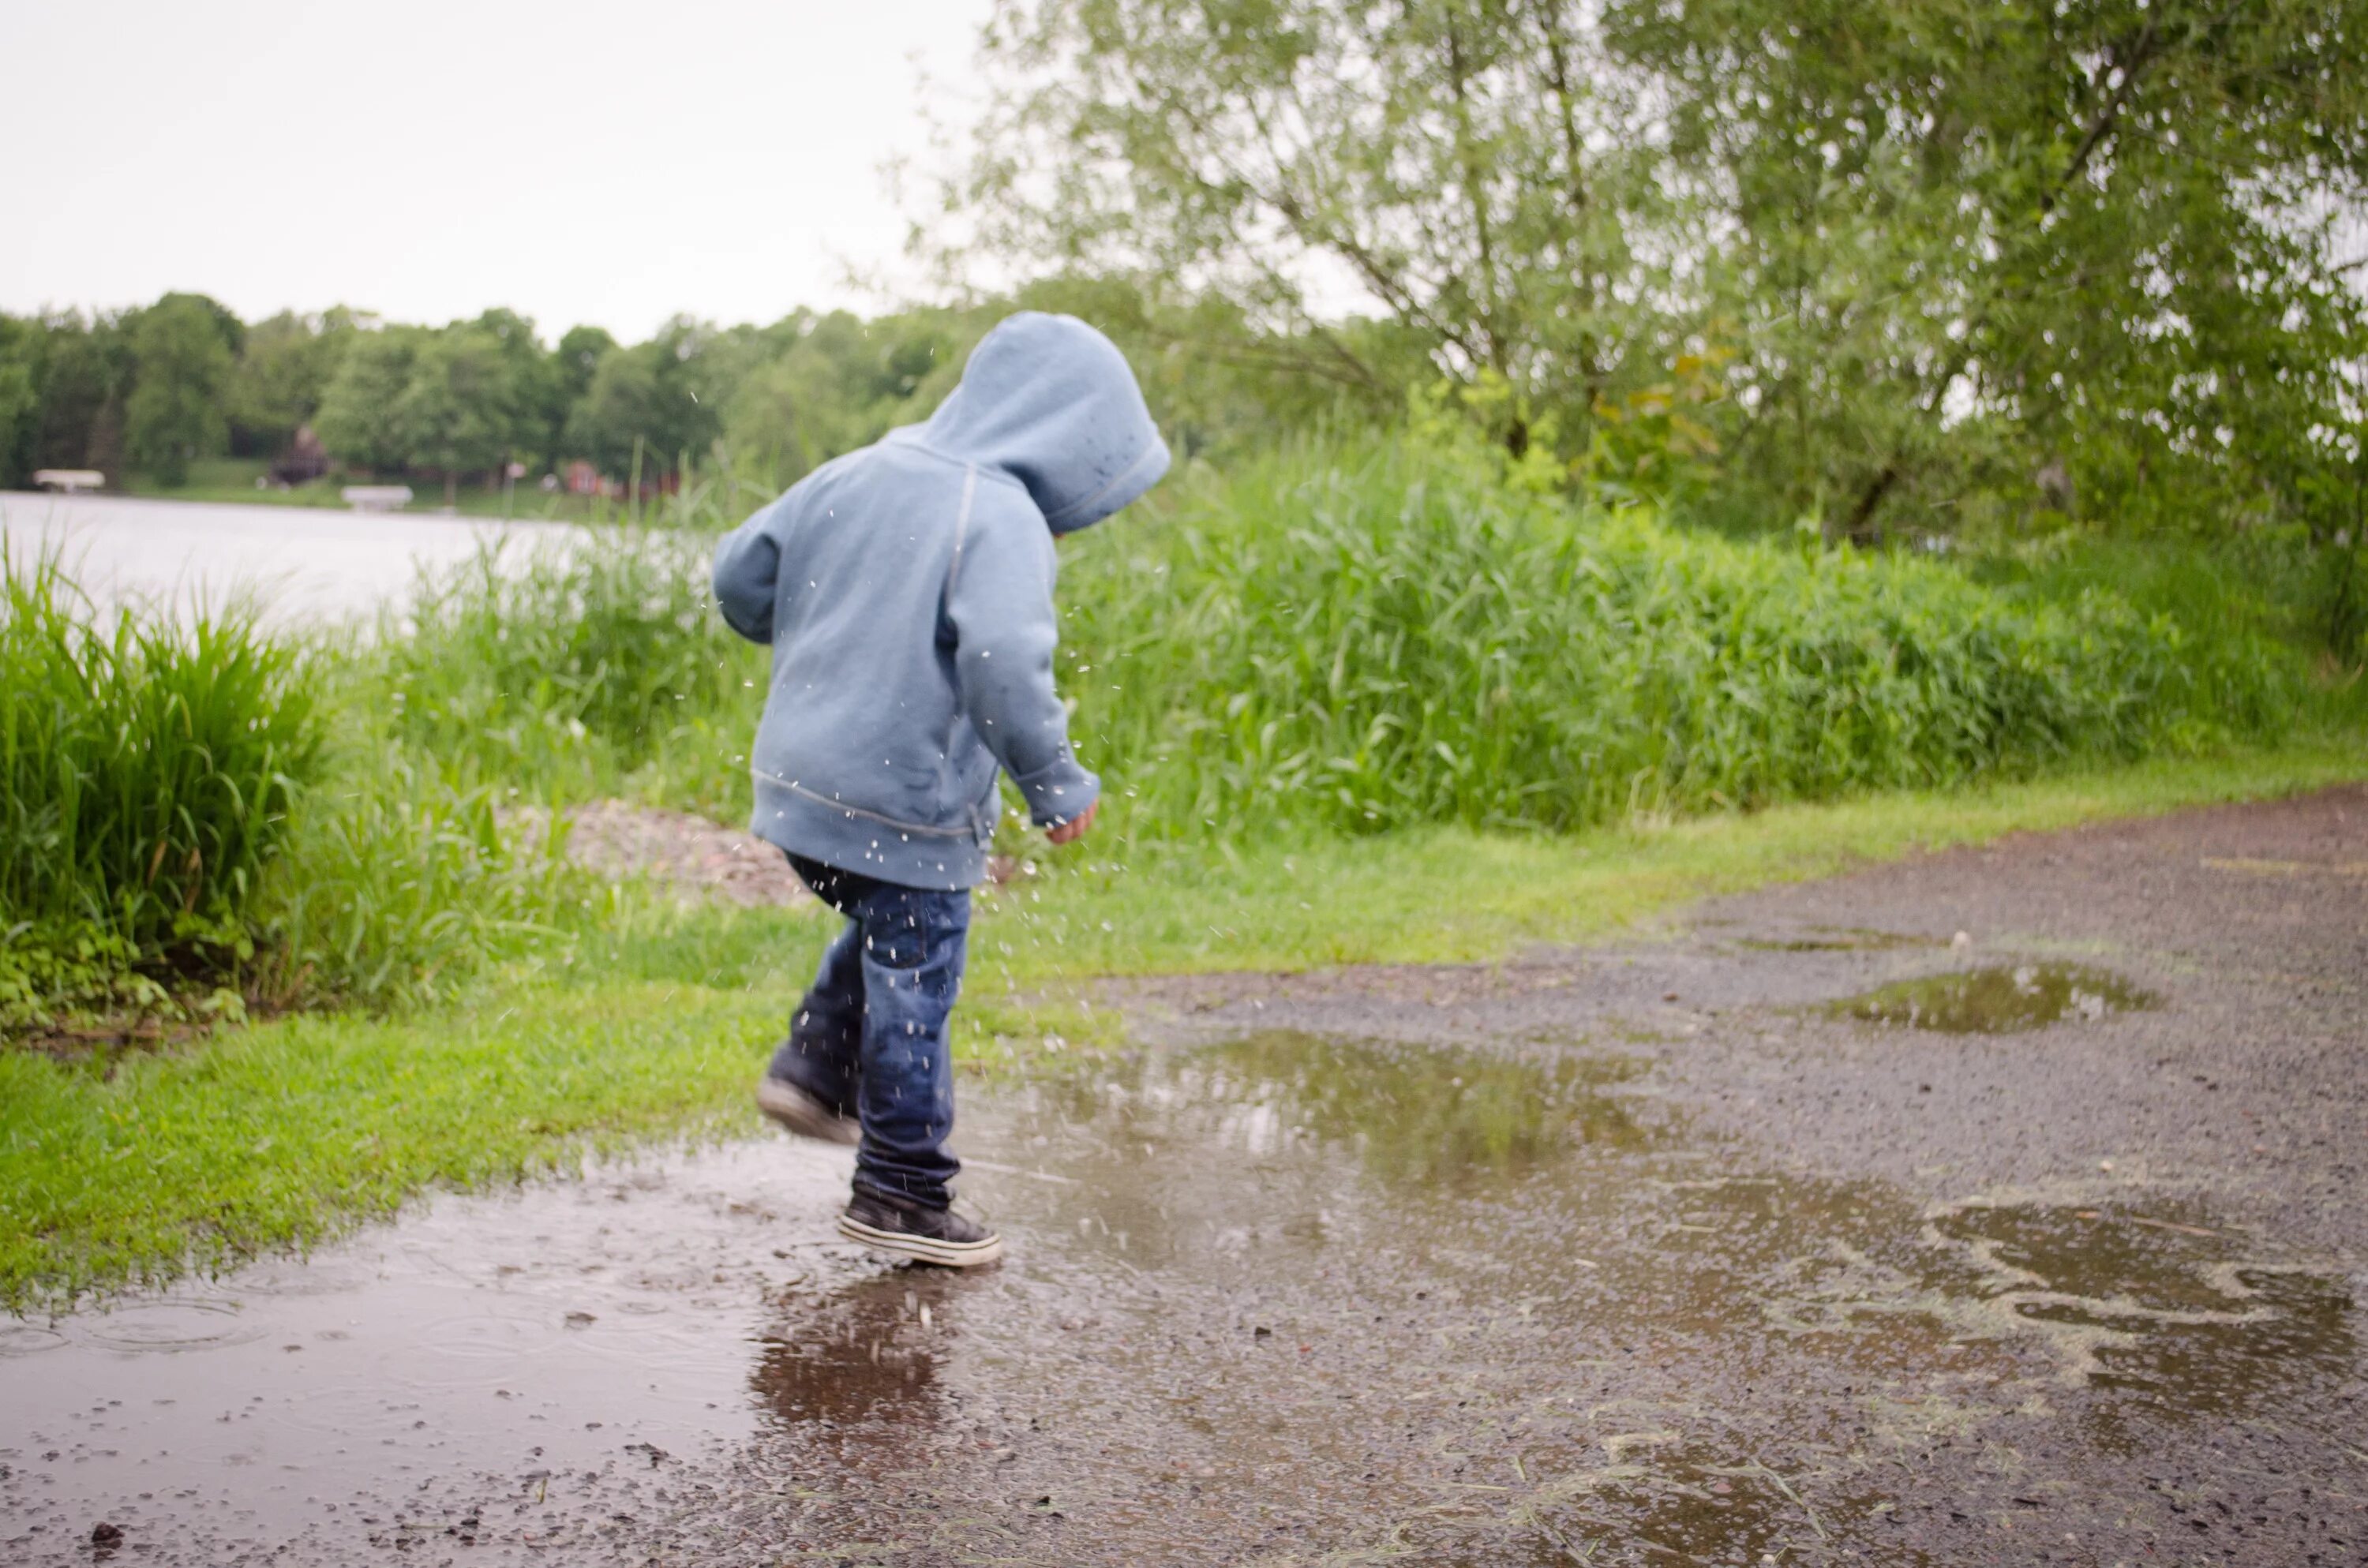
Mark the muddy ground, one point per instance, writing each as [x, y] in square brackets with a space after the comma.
[1738, 1245]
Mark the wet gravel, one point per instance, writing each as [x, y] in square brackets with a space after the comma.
[1664, 1253]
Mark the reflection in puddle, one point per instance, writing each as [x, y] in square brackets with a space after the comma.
[2002, 999]
[866, 1353]
[1414, 1115]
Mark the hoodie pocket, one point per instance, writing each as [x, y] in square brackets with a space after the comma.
[917, 793]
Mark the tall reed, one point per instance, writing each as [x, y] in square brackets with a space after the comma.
[1372, 636]
[579, 669]
[147, 768]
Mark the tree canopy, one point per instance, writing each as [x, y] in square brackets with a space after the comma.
[1849, 259]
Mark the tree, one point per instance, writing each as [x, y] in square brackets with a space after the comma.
[1986, 237]
[460, 408]
[643, 404]
[1877, 262]
[536, 387]
[284, 371]
[23, 361]
[87, 372]
[1482, 173]
[357, 420]
[840, 382]
[183, 348]
[573, 363]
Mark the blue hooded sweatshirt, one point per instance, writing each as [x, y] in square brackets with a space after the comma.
[907, 590]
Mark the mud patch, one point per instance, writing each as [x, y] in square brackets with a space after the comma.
[1997, 999]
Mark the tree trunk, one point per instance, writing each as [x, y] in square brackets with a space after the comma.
[1857, 530]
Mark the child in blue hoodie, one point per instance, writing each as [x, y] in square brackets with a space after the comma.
[907, 590]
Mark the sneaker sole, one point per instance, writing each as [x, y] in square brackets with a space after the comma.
[800, 1113]
[922, 1249]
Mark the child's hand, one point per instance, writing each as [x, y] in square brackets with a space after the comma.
[1074, 828]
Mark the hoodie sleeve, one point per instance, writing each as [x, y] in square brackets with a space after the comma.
[748, 575]
[1000, 600]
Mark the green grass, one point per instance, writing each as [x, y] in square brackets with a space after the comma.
[601, 670]
[273, 1134]
[148, 773]
[280, 1134]
[1373, 637]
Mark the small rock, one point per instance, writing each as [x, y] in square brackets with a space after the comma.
[1961, 942]
[105, 1535]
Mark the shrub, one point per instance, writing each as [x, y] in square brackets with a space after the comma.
[399, 883]
[1366, 638]
[572, 669]
[147, 772]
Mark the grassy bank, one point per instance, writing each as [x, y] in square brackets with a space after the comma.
[652, 1022]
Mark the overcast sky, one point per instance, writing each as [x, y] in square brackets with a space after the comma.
[577, 162]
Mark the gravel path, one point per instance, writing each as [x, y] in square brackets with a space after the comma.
[1667, 1252]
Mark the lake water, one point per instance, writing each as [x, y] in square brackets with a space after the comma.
[303, 564]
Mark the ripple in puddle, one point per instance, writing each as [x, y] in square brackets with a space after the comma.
[170, 1326]
[2000, 999]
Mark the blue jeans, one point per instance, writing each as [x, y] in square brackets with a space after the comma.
[870, 1039]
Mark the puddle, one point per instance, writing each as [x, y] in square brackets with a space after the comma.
[1280, 1300]
[1999, 999]
[1839, 940]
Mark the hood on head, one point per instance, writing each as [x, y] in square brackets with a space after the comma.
[1052, 403]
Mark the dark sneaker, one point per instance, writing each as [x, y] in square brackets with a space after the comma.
[804, 1112]
[925, 1235]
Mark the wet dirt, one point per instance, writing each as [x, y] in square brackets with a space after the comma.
[1837, 939]
[1997, 999]
[1631, 1256]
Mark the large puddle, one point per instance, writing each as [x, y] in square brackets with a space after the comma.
[1285, 1300]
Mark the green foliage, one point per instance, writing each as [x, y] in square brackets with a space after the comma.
[1370, 636]
[194, 819]
[594, 666]
[357, 419]
[842, 382]
[185, 348]
[23, 353]
[146, 778]
[642, 410]
[284, 371]
[459, 407]
[398, 885]
[462, 399]
[1366, 638]
[1964, 245]
[88, 372]
[1956, 267]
